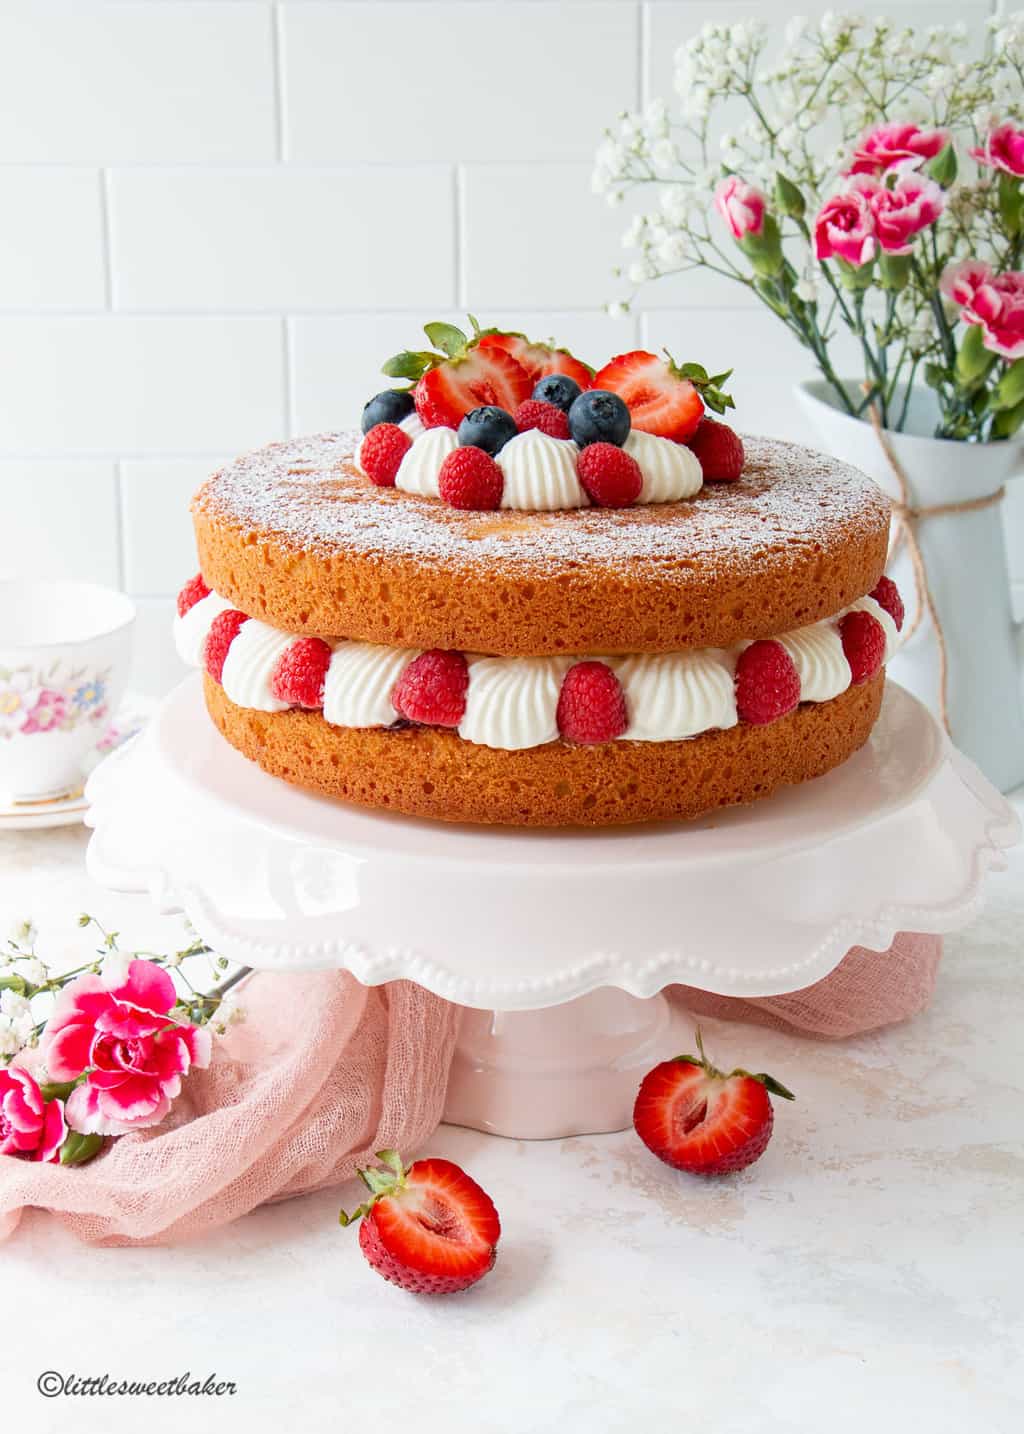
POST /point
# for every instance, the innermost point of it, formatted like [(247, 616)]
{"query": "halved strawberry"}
[(447, 392), (430, 1229), (696, 1118), (538, 360), (663, 397)]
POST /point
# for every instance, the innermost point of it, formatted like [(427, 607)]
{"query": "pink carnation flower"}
[(1003, 149), (29, 1125), (741, 206), (135, 1052), (887, 145), (996, 302), (902, 211), (845, 229)]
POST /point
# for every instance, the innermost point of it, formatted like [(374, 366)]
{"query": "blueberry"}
[(599, 417), (557, 388), (488, 427), (391, 406)]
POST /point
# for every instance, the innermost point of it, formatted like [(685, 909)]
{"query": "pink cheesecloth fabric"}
[(324, 1072)]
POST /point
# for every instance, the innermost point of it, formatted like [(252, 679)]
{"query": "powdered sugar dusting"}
[(306, 495)]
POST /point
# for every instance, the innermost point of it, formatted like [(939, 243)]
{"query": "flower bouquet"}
[(866, 183), (872, 181)]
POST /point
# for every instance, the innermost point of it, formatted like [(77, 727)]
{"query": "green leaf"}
[(1009, 391), (392, 1160), (77, 1149), (1008, 422), (378, 1182), (943, 168), (695, 372), (447, 338), (408, 365), (13, 983), (935, 375), (776, 1087)]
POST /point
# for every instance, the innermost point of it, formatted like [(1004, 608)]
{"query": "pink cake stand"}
[(558, 943)]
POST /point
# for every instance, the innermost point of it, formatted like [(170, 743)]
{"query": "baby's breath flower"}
[(617, 309), (33, 970), (23, 932)]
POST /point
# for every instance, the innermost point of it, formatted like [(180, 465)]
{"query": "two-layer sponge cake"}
[(533, 596)]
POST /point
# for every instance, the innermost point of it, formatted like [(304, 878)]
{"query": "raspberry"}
[(298, 678), (611, 477), (591, 704), (432, 689), (534, 413), (382, 451), (194, 591), (887, 595), (767, 683), (223, 631), (863, 643), (718, 450), (470, 478)]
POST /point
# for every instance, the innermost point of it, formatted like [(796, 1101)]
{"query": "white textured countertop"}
[(866, 1275)]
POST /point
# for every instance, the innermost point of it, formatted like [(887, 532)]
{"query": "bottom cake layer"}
[(432, 772)]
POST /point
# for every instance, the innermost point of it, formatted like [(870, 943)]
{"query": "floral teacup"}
[(65, 654)]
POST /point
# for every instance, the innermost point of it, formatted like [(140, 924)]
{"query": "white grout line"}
[(103, 179), (459, 233), (120, 526), (277, 60), (288, 354), (643, 79)]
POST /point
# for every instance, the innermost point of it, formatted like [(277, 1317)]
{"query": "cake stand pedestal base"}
[(572, 1069)]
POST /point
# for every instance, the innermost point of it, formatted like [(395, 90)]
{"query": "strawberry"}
[(537, 360), (663, 397), (457, 376), (429, 1229), (445, 394), (719, 450), (696, 1118)]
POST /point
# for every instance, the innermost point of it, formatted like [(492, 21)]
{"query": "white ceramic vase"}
[(965, 559)]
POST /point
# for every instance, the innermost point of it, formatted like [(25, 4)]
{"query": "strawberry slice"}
[(538, 360), (695, 1118), (429, 1229), (663, 397), (447, 392)]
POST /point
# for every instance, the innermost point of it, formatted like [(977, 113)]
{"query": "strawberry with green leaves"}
[(429, 1229), (694, 1117), (663, 397), (458, 376)]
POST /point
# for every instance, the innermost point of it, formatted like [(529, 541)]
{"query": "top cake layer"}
[(295, 535)]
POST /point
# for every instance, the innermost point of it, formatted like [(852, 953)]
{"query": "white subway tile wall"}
[(219, 215)]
